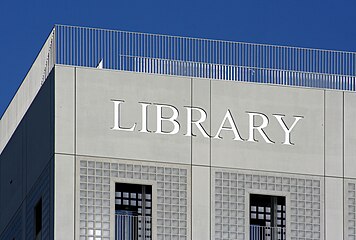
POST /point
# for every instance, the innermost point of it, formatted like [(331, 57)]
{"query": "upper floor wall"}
[(187, 120)]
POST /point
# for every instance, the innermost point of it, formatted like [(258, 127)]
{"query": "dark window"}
[(267, 217), (133, 211), (38, 219)]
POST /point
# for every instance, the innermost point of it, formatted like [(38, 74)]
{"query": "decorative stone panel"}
[(230, 204), (350, 210), (173, 196)]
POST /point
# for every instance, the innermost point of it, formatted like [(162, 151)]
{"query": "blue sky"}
[(25, 25)]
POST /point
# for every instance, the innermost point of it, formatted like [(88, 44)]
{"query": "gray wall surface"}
[(94, 111), (27, 154), (72, 119), (85, 118), (95, 90)]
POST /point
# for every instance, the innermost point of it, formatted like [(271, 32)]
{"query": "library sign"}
[(228, 123)]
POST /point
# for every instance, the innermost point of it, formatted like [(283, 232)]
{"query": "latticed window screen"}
[(267, 217), (133, 211)]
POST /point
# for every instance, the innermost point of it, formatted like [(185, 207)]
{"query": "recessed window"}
[(133, 211), (267, 217), (38, 220)]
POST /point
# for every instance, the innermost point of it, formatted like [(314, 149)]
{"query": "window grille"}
[(267, 217), (133, 211)]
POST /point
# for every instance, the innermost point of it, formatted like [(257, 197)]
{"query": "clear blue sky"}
[(24, 25)]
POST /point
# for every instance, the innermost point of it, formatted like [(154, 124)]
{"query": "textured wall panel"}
[(230, 202), (173, 197), (350, 209)]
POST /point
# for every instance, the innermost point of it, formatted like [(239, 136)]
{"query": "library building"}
[(116, 135)]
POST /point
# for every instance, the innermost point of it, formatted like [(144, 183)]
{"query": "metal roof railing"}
[(204, 58)]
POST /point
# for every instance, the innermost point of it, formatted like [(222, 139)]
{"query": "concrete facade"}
[(67, 150)]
